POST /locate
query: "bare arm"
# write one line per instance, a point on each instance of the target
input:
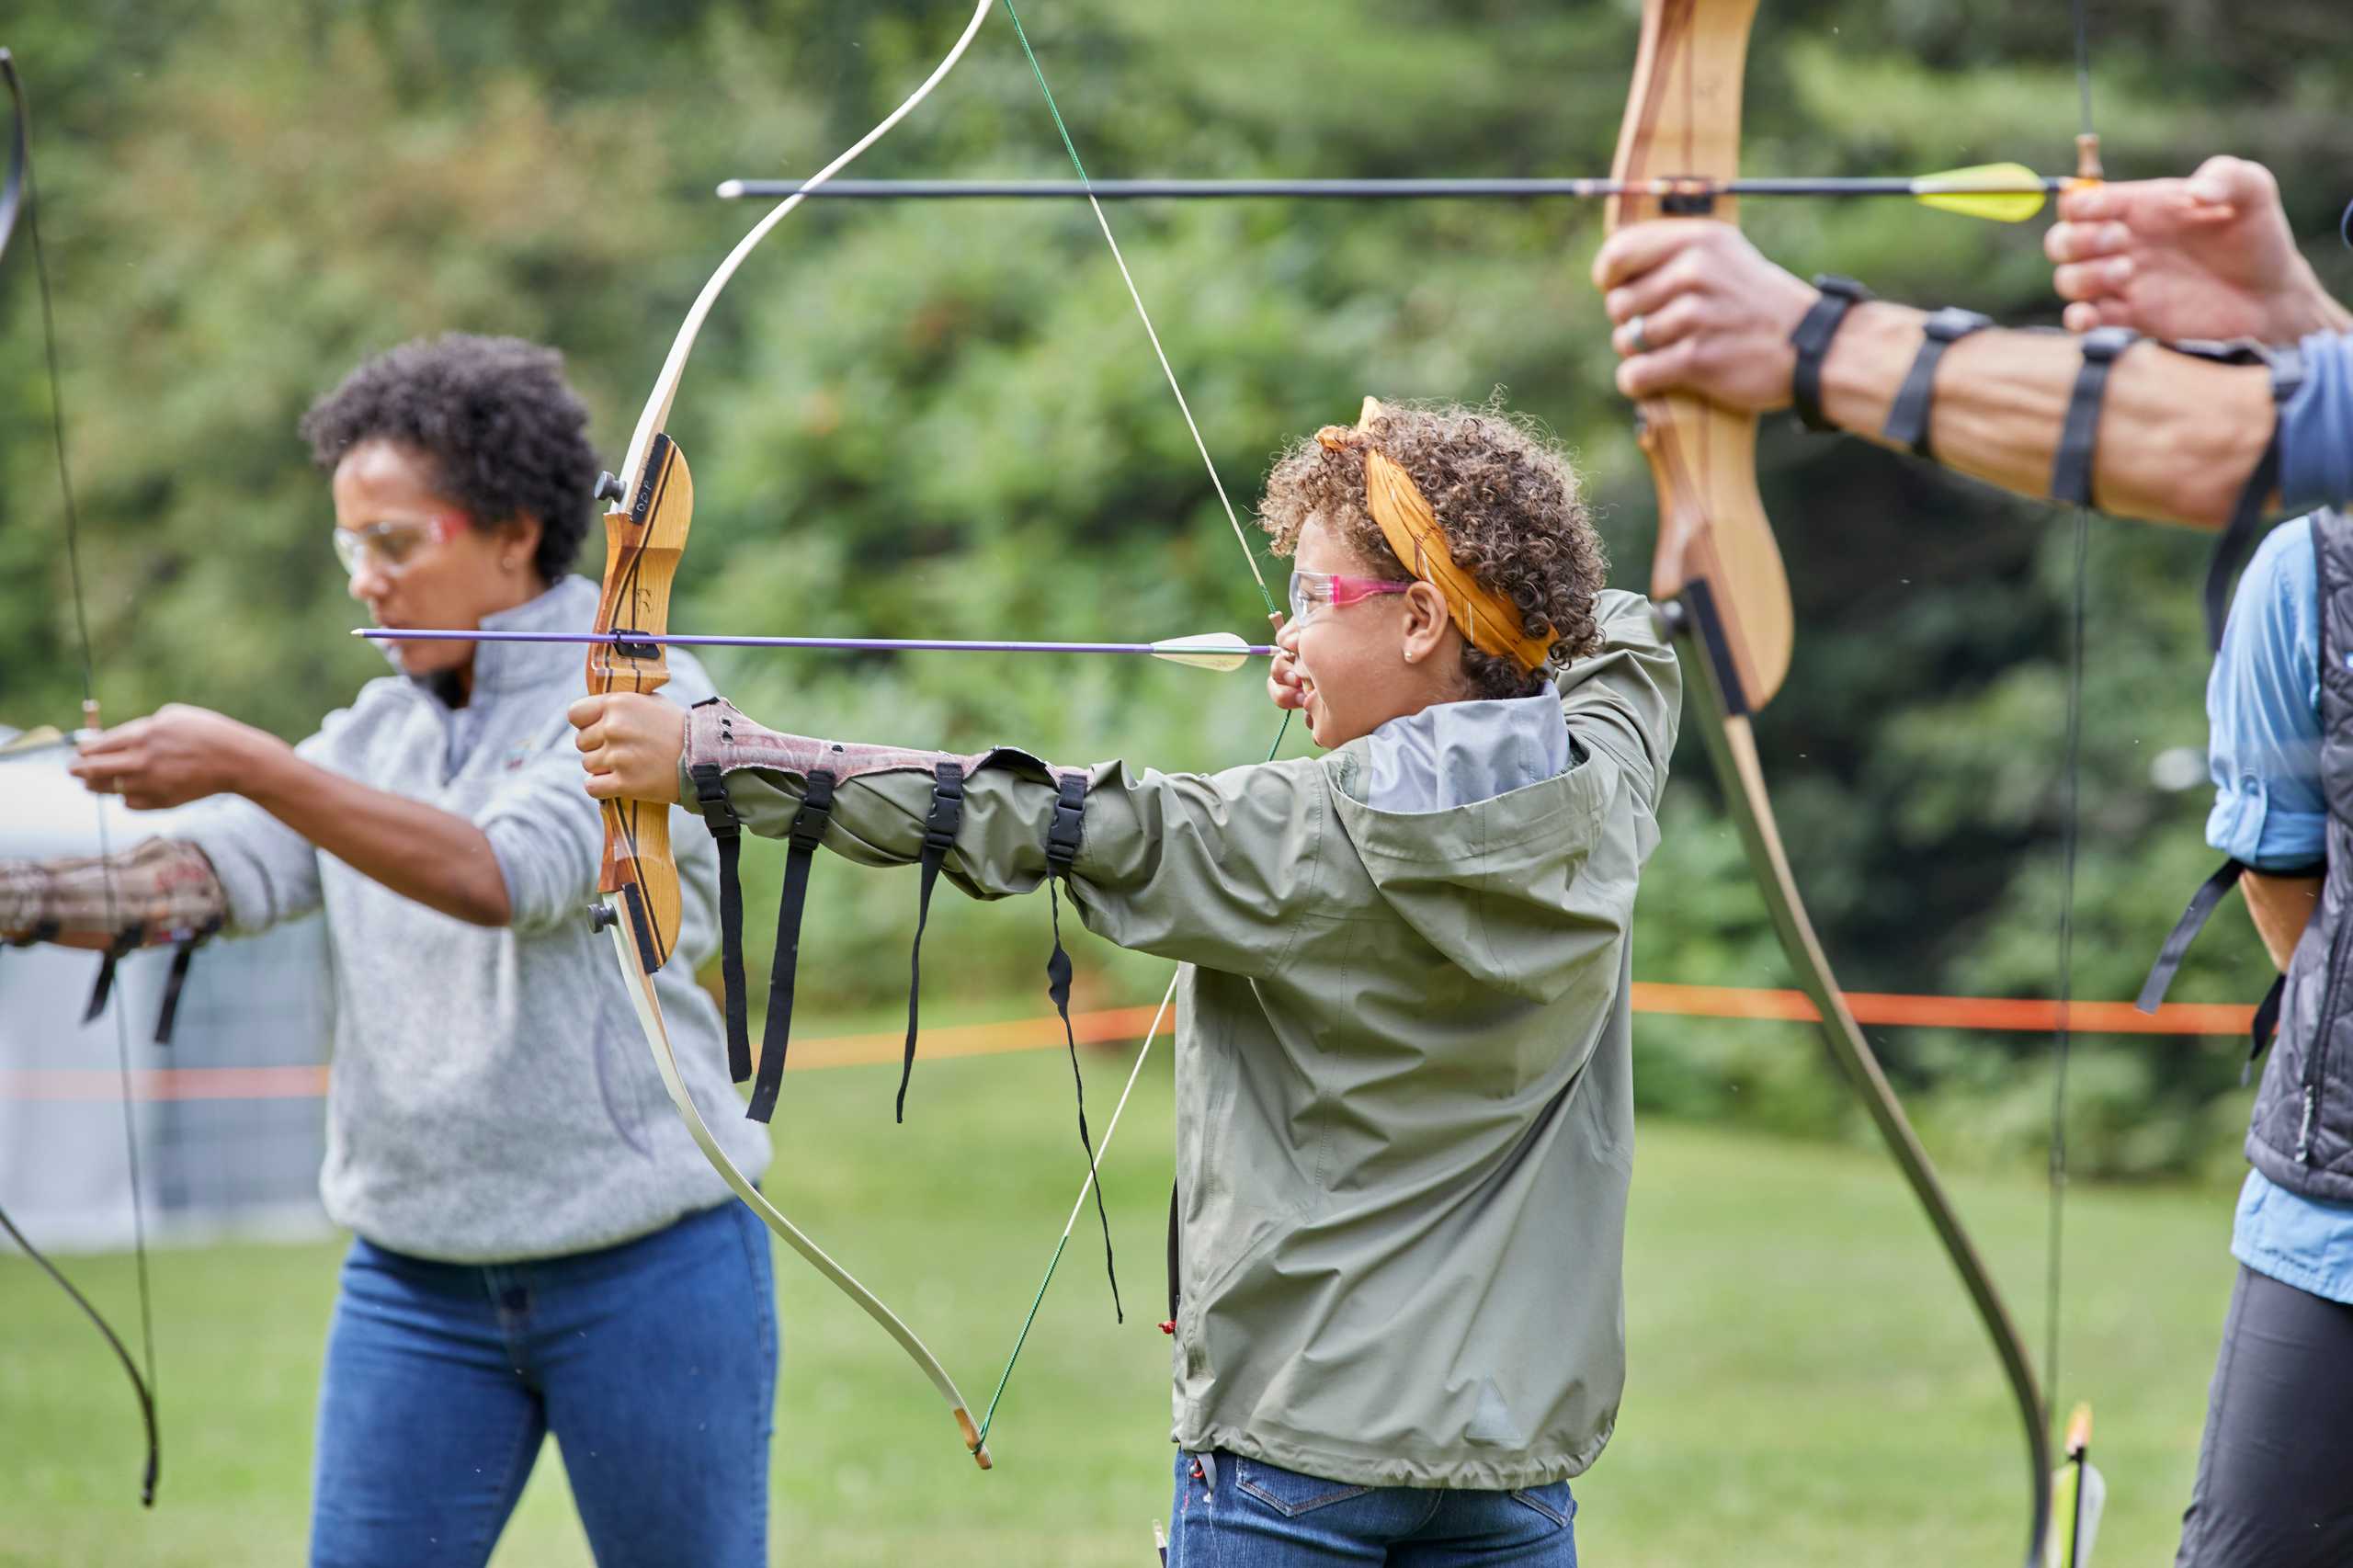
(2281, 908)
(1700, 311)
(2178, 436)
(437, 858)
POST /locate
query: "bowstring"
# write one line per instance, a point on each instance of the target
(1266, 596)
(2071, 831)
(144, 1384)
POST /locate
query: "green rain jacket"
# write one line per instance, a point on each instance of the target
(1404, 1113)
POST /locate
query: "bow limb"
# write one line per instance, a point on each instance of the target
(673, 367)
(640, 986)
(1723, 596)
(18, 197)
(646, 533)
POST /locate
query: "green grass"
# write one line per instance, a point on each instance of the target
(1808, 1385)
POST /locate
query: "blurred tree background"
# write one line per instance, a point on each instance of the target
(943, 420)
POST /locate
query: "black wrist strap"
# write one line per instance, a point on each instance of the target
(1907, 422)
(938, 837)
(1811, 340)
(2071, 470)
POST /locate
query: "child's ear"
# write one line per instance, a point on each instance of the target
(1425, 624)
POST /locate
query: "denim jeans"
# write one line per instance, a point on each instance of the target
(1242, 1513)
(653, 1363)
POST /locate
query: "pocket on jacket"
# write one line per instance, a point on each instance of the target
(1287, 1493)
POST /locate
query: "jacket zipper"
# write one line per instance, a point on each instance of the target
(2317, 1050)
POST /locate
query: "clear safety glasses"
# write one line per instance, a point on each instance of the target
(1311, 591)
(392, 545)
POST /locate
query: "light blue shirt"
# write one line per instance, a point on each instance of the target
(2263, 708)
(2316, 427)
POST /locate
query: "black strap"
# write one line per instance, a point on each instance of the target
(718, 815)
(2071, 470)
(1174, 1258)
(1907, 422)
(1811, 340)
(808, 830)
(2266, 1024)
(127, 940)
(1061, 853)
(2201, 907)
(938, 837)
(167, 1016)
(2246, 515)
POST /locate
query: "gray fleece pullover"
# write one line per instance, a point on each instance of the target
(491, 1098)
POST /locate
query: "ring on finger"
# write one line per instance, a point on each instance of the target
(1640, 338)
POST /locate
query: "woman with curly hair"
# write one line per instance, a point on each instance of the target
(1404, 1113)
(538, 1246)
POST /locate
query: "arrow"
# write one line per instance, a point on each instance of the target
(1202, 651)
(2001, 193)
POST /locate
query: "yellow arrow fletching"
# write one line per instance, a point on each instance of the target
(1999, 193)
(1209, 651)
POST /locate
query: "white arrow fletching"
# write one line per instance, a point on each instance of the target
(1208, 651)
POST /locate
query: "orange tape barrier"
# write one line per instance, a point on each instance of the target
(1112, 1025)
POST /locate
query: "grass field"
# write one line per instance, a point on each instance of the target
(1807, 1386)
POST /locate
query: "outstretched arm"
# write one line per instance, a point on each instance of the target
(182, 753)
(1698, 309)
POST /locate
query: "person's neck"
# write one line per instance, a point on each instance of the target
(456, 687)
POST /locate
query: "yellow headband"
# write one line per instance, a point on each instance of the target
(1491, 621)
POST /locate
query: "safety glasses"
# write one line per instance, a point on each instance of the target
(391, 545)
(1311, 591)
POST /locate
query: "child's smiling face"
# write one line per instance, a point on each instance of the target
(1362, 665)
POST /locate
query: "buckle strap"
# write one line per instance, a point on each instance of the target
(938, 837)
(126, 941)
(808, 830)
(184, 954)
(2200, 908)
(1811, 340)
(1061, 852)
(2266, 1024)
(2072, 468)
(726, 826)
(1907, 421)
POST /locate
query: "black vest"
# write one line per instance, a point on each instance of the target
(2301, 1134)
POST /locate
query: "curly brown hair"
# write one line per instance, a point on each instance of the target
(1510, 503)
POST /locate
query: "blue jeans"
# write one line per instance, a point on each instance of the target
(653, 1362)
(1241, 1513)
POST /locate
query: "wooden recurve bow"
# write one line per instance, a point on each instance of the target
(1723, 595)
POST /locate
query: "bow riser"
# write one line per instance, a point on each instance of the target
(642, 548)
(1683, 123)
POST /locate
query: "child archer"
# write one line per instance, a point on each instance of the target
(1404, 1113)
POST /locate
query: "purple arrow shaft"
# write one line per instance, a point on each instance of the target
(682, 640)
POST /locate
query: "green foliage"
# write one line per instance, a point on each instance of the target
(945, 420)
